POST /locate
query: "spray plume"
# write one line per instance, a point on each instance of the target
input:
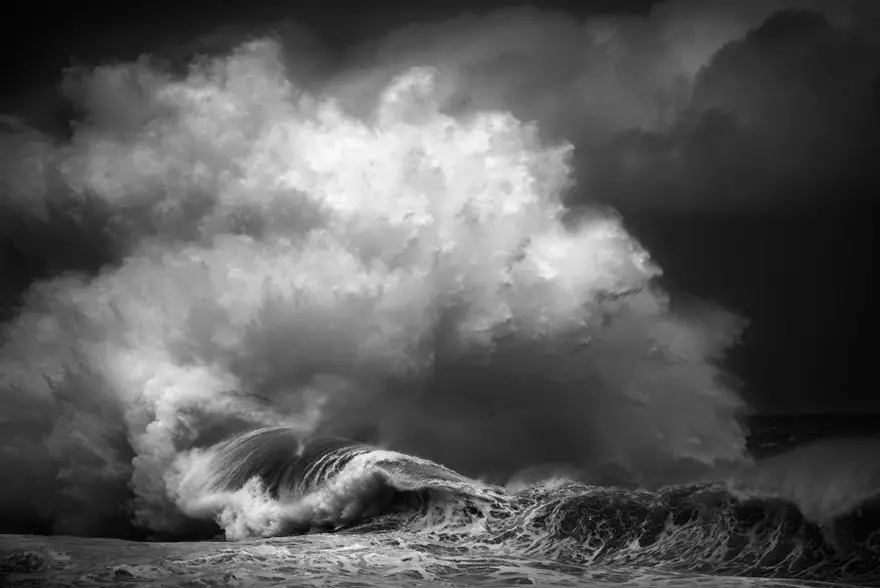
(404, 278)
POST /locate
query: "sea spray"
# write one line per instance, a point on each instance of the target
(405, 278)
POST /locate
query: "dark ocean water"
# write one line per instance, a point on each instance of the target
(345, 514)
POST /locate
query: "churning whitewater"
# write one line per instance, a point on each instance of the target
(280, 274)
(271, 482)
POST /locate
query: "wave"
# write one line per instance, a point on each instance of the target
(825, 478)
(335, 485)
(273, 482)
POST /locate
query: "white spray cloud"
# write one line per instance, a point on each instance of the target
(285, 263)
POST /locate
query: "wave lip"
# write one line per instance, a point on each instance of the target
(281, 459)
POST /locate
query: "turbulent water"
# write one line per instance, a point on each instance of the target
(347, 514)
(706, 528)
(261, 272)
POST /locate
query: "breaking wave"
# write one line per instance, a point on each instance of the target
(825, 478)
(269, 482)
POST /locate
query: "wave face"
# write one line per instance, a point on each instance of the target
(334, 485)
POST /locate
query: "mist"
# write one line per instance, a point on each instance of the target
(407, 248)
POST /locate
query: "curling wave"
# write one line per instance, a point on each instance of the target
(343, 486)
(272, 482)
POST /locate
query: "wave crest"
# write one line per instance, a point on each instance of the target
(272, 482)
(338, 485)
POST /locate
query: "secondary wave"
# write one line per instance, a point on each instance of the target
(825, 478)
(338, 485)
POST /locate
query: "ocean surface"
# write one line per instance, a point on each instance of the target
(807, 514)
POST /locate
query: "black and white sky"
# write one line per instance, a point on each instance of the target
(737, 139)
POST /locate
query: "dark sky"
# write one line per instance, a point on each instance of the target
(760, 195)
